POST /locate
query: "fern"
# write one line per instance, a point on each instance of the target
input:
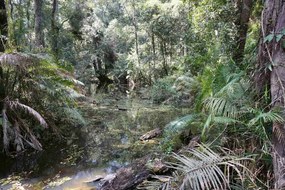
(27, 79)
(15, 106)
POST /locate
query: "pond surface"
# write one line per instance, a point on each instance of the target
(108, 141)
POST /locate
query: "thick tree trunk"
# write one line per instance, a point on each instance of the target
(3, 25)
(39, 33)
(244, 12)
(271, 60)
(3, 32)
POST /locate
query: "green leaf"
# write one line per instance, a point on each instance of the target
(269, 66)
(278, 37)
(268, 38)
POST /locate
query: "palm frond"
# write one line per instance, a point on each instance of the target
(5, 126)
(14, 105)
(30, 138)
(180, 123)
(202, 171)
(157, 183)
(279, 132)
(265, 117)
(17, 59)
(18, 137)
(221, 107)
(225, 120)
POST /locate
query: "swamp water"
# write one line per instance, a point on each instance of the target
(108, 141)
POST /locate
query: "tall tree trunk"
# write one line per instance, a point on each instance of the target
(29, 24)
(3, 25)
(272, 53)
(39, 33)
(163, 52)
(10, 24)
(244, 12)
(3, 32)
(55, 30)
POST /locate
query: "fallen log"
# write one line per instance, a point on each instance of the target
(128, 178)
(151, 134)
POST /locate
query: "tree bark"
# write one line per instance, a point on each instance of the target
(55, 30)
(271, 71)
(3, 25)
(39, 34)
(244, 12)
(3, 32)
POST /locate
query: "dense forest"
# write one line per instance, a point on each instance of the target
(142, 94)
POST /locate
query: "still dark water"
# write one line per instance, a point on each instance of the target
(108, 141)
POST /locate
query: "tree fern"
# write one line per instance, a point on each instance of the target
(30, 86)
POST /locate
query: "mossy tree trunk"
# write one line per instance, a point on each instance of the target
(39, 33)
(244, 8)
(54, 30)
(3, 33)
(3, 25)
(271, 72)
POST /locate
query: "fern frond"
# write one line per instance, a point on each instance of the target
(203, 170)
(14, 105)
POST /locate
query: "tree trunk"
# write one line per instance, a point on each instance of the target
(39, 34)
(3, 32)
(271, 57)
(29, 24)
(164, 62)
(55, 30)
(3, 25)
(244, 12)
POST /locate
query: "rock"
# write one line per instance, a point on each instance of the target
(151, 134)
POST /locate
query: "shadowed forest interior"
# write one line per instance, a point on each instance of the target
(142, 94)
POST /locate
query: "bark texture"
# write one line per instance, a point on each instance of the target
(271, 71)
(3, 25)
(244, 12)
(54, 30)
(39, 33)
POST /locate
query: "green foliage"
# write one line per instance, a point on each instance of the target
(31, 83)
(177, 130)
(162, 90)
(204, 169)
